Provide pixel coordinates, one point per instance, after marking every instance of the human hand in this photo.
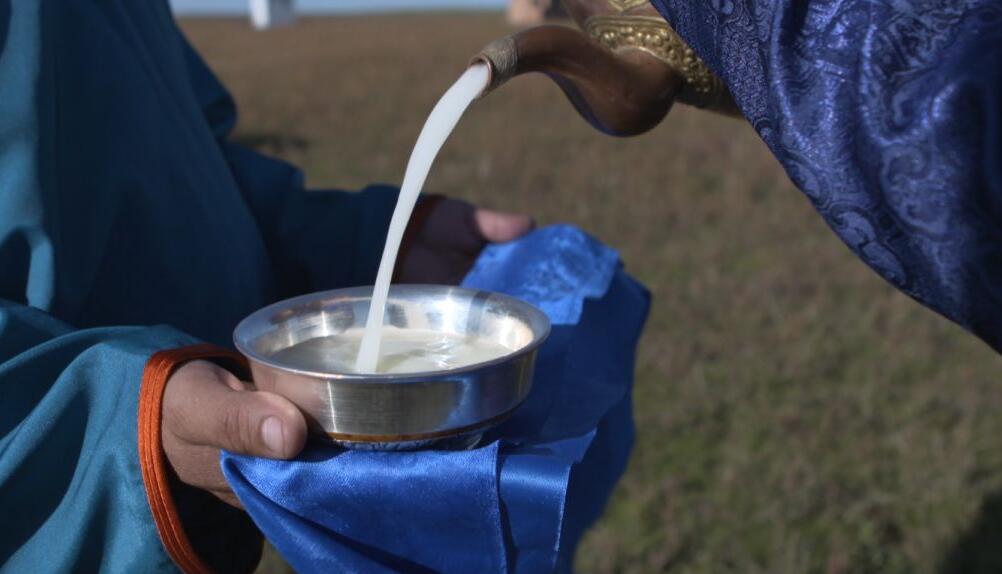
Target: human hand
(446, 236)
(206, 408)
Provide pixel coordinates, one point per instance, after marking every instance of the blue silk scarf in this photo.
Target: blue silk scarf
(521, 500)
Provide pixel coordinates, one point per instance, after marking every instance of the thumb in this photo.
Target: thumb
(254, 423)
(499, 227)
(261, 424)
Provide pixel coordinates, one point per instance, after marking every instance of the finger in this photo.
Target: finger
(195, 465)
(207, 412)
(237, 385)
(451, 226)
(200, 467)
(429, 265)
(499, 227)
(228, 497)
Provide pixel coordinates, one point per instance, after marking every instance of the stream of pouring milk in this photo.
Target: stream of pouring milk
(436, 129)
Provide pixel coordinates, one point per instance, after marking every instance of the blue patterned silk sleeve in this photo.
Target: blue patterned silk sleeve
(888, 115)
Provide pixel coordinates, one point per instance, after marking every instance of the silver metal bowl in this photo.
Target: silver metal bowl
(398, 411)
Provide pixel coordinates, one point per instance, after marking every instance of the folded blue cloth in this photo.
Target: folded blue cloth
(521, 500)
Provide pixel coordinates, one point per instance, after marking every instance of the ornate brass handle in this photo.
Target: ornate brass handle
(700, 87)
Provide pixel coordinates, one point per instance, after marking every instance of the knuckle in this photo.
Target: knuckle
(173, 414)
(173, 418)
(238, 431)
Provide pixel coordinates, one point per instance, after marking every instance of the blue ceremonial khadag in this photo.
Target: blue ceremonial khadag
(520, 501)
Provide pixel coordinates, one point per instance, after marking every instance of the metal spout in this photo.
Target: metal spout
(621, 94)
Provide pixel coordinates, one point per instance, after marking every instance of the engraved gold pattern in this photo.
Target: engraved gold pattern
(627, 4)
(653, 35)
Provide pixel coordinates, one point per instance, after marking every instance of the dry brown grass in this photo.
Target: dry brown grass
(795, 413)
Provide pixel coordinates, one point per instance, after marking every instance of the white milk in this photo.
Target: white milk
(436, 129)
(402, 351)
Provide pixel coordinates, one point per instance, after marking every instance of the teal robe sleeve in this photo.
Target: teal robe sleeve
(122, 200)
(317, 239)
(122, 203)
(71, 490)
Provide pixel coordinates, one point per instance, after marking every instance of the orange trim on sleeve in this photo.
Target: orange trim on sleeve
(152, 459)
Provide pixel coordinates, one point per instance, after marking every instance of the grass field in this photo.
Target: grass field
(795, 413)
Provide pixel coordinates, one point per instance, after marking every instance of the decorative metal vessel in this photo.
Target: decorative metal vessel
(623, 70)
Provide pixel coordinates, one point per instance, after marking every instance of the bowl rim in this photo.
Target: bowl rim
(243, 344)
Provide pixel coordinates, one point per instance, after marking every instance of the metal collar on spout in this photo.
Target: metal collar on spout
(501, 58)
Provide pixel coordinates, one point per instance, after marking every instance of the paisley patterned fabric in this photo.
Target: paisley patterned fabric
(888, 115)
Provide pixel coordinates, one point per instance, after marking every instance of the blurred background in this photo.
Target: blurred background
(794, 412)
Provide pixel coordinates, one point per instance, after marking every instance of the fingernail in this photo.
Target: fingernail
(271, 432)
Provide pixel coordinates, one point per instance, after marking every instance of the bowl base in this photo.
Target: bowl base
(464, 441)
(463, 438)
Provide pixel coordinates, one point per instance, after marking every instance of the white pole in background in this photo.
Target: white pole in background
(271, 13)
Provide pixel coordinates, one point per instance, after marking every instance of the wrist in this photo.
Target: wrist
(194, 527)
